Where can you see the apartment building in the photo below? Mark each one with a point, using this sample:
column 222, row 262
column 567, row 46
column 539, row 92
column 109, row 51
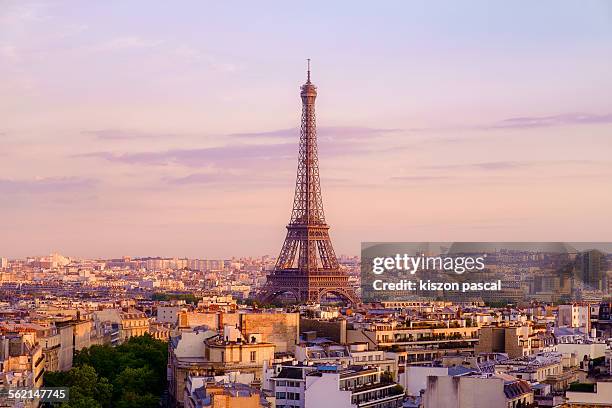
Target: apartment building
column 22, row 363
column 593, row 396
column 230, row 390
column 575, row 316
column 476, row 391
column 532, row 368
column 132, row 322
column 206, row 353
column 421, row 341
column 516, row 341
column 362, row 386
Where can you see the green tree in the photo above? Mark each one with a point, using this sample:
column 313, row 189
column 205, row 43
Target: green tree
column 135, row 380
column 132, row 400
column 101, row 358
column 126, row 376
column 82, row 402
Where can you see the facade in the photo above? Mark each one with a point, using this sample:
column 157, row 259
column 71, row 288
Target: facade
column 289, row 385
column 416, row 344
column 58, row 347
column 575, row 315
column 281, row 329
column 414, row 378
column 583, row 351
column 206, row 393
column 533, row 369
column 333, row 386
column 205, row 353
column 591, row 269
column 186, row 358
column 131, row 322
column 222, row 355
column 22, row 362
column 600, row 395
column 476, row 392
column 168, row 314
column 516, row 341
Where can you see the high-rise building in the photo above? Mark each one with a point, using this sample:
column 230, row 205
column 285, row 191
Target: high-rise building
column 307, row 267
column 591, row 269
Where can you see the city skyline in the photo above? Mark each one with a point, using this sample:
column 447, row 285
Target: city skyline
column 439, row 123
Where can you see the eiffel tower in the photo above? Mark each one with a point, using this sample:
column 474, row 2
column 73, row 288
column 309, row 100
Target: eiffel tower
column 307, row 267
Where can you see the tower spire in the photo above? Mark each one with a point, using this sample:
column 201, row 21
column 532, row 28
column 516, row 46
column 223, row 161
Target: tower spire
column 308, row 72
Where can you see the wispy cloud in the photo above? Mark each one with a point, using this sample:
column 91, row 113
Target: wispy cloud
column 235, row 155
column 522, row 122
column 194, row 54
column 19, row 13
column 417, row 179
column 117, row 134
column 511, row 165
column 556, row 120
column 46, row 185
column 345, row 132
column 202, row 157
column 226, row 178
column 126, row 43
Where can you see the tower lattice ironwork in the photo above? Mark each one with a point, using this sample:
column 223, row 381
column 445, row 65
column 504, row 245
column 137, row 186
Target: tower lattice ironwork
column 307, row 266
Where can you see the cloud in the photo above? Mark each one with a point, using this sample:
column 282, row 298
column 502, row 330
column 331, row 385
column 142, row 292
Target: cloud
column 19, row 13
column 419, row 178
column 233, row 155
column 346, row 132
column 126, row 43
column 46, row 185
column 201, row 178
column 9, row 52
column 116, row 134
column 195, row 55
column 523, row 122
column 527, row 122
column 501, row 165
column 510, row 165
column 224, row 178
column 203, row 157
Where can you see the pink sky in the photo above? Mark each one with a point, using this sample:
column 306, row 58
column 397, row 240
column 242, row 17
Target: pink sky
column 174, row 132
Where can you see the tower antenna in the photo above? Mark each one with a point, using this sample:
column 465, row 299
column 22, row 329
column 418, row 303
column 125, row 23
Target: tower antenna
column 308, row 77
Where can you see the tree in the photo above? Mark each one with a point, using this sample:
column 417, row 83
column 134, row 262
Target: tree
column 386, row 377
column 85, row 402
column 102, row 358
column 126, row 376
column 135, row 380
column 133, row 400
column 86, row 388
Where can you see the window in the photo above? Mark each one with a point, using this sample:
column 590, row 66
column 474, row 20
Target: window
column 253, row 356
column 281, row 383
column 281, row 395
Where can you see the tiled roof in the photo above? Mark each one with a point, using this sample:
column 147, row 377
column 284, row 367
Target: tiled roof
column 516, row 389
